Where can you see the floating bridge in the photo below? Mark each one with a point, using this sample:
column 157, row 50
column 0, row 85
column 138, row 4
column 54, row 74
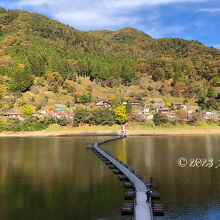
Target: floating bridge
column 142, row 209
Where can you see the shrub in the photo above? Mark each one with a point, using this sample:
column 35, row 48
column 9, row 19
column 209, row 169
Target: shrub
column 80, row 116
column 46, row 98
column 33, row 125
column 160, row 119
column 2, row 125
column 129, row 108
column 102, row 117
column 181, row 115
column 196, row 119
column 149, row 123
column 96, row 117
column 13, row 124
column 62, row 121
column 149, row 88
column 70, row 88
column 83, row 99
column 75, row 123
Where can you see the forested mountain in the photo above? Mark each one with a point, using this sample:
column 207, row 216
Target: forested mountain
column 169, row 58
column 32, row 45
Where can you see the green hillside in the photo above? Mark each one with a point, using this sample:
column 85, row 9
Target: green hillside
column 38, row 51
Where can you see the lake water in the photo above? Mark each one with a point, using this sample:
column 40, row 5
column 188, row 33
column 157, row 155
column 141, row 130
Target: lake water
column 59, row 179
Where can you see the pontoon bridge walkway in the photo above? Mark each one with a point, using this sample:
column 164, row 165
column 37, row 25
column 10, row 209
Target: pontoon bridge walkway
column 142, row 209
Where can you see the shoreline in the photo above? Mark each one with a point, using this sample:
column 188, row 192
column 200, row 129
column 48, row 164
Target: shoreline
column 137, row 132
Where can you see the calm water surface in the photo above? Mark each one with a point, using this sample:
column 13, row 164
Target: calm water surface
column 59, row 179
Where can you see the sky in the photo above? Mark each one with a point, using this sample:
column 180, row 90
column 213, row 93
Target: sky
column 187, row 19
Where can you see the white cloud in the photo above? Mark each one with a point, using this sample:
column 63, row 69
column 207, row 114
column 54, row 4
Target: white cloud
column 103, row 14
column 157, row 30
column 210, row 10
column 105, row 3
column 93, row 20
column 139, row 3
column 35, row 2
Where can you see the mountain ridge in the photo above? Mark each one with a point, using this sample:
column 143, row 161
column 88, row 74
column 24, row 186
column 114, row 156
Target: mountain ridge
column 33, row 44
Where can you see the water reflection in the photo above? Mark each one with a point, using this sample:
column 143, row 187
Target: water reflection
column 58, row 179
column 121, row 152
column 55, row 178
column 187, row 193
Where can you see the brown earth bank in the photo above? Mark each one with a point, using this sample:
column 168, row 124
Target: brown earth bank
column 111, row 133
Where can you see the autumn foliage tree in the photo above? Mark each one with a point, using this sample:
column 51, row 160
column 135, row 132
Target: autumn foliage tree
column 4, row 85
column 28, row 110
column 181, row 115
column 121, row 115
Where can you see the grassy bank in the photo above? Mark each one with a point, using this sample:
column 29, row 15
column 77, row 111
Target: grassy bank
column 176, row 127
column 84, row 128
column 132, row 130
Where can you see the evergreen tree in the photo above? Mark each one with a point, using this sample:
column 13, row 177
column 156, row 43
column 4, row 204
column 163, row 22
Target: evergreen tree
column 21, row 78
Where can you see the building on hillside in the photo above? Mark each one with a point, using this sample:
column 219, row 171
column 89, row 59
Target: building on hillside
column 103, row 104
column 60, row 106
column 149, row 117
column 41, row 113
column 163, row 110
column 178, row 105
column 56, row 114
column 13, row 113
column 134, row 102
column 192, row 110
column 159, row 102
column 211, row 115
column 144, row 112
column 172, row 115
column 123, row 103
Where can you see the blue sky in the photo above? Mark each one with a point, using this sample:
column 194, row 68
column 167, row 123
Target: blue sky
column 188, row 19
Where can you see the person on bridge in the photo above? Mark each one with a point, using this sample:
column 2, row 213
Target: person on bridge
column 148, row 193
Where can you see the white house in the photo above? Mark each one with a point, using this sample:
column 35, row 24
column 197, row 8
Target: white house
column 211, row 115
column 103, row 104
